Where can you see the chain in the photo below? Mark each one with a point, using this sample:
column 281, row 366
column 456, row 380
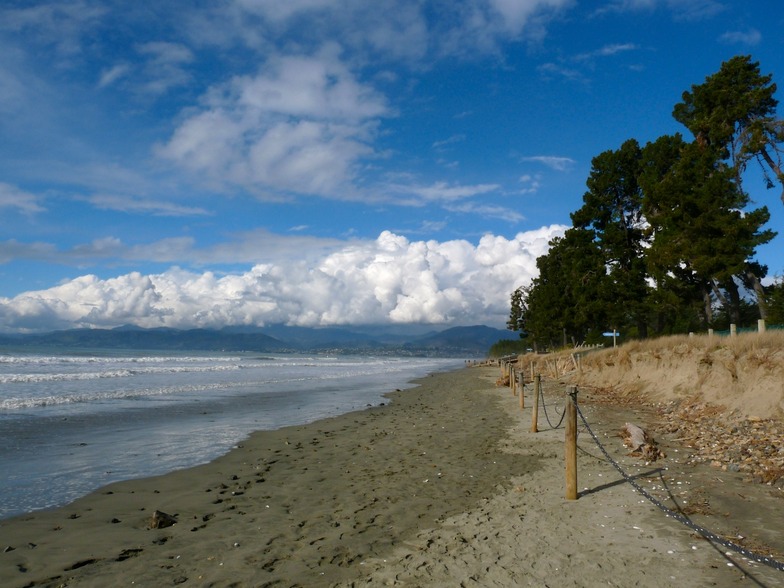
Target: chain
column 768, row 561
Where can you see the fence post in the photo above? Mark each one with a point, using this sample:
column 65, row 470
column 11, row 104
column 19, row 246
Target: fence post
column 733, row 330
column 521, row 389
column 761, row 325
column 513, row 380
column 535, row 413
column 570, row 451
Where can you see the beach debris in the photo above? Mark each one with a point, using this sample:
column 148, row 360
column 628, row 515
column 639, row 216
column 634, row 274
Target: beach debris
column 502, row 381
column 640, row 442
column 161, row 520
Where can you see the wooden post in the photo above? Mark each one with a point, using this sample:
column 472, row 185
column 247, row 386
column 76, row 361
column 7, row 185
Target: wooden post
column 733, row 330
column 535, row 413
column 761, row 325
column 513, row 380
column 570, row 451
column 521, row 389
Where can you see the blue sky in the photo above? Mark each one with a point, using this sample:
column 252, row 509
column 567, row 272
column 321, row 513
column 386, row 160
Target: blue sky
column 318, row 162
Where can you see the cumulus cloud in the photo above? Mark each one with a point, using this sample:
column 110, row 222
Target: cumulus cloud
column 301, row 125
column 388, row 280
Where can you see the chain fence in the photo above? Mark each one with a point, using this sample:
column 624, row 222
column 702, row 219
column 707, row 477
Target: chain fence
column 707, row 534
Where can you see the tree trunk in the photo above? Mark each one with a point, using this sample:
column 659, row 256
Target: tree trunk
column 706, row 299
column 734, row 308
column 762, row 303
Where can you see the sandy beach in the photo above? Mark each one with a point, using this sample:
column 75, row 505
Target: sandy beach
column 443, row 486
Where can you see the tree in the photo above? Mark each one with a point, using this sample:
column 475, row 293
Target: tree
column 566, row 300
column 612, row 208
column 734, row 112
column 519, row 311
column 775, row 298
column 700, row 232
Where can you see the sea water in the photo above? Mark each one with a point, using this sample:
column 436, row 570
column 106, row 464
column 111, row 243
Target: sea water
column 73, row 422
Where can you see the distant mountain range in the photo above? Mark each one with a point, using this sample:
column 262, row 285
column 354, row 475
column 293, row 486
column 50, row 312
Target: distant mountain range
column 397, row 340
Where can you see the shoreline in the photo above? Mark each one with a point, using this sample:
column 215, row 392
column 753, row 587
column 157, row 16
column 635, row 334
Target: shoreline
column 148, row 416
column 272, row 492
column 443, row 485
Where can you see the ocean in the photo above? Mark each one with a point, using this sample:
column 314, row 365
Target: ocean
column 73, row 422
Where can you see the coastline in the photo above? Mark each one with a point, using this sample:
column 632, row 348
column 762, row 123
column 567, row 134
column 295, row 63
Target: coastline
column 443, row 485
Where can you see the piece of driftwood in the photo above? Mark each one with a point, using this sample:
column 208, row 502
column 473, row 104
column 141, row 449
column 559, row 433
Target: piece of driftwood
column 161, row 520
column 640, row 442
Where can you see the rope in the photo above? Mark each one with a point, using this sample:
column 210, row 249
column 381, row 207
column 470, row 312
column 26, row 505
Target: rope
column 768, row 561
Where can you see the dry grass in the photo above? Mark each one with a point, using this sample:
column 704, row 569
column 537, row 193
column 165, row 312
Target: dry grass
column 743, row 374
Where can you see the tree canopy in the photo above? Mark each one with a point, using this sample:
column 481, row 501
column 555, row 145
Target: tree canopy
column 666, row 237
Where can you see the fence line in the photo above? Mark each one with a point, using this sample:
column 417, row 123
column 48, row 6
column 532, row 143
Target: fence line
column 570, row 412
column 709, row 535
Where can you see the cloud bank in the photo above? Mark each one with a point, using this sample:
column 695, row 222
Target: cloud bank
column 388, row 280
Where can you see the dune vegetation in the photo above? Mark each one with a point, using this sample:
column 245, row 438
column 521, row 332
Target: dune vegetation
column 720, row 397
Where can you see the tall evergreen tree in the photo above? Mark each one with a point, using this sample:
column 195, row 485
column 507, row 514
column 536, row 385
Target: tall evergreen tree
column 734, row 112
column 566, row 300
column 695, row 211
column 612, row 208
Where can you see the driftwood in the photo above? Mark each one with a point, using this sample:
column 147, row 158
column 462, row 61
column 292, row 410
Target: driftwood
column 640, row 443
column 161, row 520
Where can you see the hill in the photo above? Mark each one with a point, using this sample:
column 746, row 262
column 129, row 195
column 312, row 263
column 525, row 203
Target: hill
column 473, row 341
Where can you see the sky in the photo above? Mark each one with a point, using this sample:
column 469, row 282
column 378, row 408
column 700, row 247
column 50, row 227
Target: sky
column 312, row 162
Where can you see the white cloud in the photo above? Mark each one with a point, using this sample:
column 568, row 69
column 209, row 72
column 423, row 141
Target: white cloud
column 530, row 183
column 407, row 30
column 388, row 280
column 62, row 24
column 165, row 67
column 142, row 205
column 747, row 37
column 487, row 211
column 443, row 192
column 114, row 73
column 301, row 125
column 14, row 198
column 681, row 9
column 554, row 69
column 459, row 138
column 551, row 161
column 606, row 51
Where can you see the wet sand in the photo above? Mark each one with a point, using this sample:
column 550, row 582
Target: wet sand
column 443, row 486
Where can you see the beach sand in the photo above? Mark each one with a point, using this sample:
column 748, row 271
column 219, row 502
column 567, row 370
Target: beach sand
column 443, row 486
